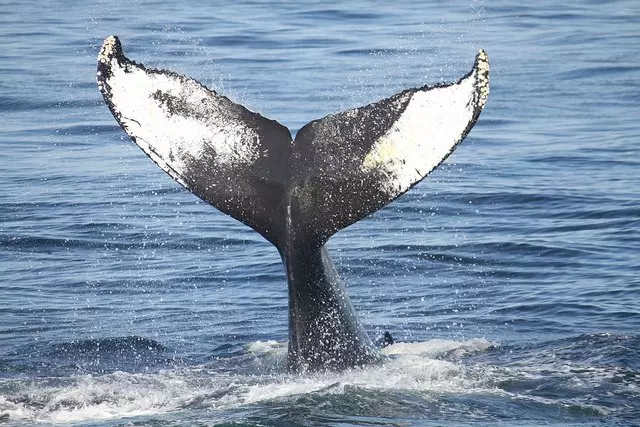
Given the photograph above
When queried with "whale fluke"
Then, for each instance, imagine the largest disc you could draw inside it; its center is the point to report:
(295, 192)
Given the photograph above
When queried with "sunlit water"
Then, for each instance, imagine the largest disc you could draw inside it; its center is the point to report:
(509, 277)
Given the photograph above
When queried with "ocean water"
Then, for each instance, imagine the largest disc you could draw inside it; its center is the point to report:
(509, 277)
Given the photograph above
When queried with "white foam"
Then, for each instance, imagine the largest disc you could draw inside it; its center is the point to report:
(428, 369)
(266, 347)
(437, 347)
(412, 368)
(117, 395)
(104, 397)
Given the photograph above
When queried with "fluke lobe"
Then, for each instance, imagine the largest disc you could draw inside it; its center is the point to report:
(295, 192)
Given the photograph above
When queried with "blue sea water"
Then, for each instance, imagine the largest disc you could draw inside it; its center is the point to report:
(509, 277)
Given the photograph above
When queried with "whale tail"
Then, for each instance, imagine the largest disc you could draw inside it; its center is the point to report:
(294, 192)
(338, 169)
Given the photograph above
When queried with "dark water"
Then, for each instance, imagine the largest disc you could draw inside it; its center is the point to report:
(510, 276)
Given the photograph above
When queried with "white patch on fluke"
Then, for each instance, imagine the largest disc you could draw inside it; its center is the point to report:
(173, 138)
(432, 124)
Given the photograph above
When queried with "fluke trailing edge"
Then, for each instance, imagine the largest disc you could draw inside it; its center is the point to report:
(295, 192)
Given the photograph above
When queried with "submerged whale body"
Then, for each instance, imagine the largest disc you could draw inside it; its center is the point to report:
(295, 192)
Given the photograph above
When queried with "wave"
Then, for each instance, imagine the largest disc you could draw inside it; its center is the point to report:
(104, 346)
(443, 378)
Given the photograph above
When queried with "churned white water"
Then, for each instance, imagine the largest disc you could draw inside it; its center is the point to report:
(415, 367)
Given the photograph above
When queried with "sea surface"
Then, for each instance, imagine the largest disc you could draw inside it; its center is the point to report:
(510, 277)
